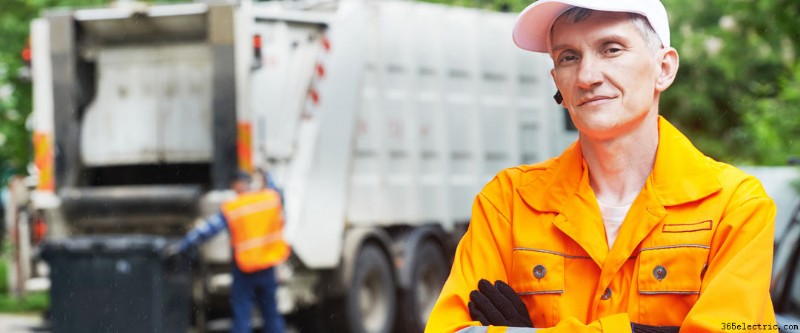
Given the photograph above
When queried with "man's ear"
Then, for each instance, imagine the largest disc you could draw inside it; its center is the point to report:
(559, 99)
(668, 68)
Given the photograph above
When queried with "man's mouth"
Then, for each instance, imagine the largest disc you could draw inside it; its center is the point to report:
(591, 100)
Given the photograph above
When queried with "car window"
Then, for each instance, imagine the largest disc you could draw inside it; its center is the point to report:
(786, 248)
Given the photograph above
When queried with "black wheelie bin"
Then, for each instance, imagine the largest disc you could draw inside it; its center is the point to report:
(117, 284)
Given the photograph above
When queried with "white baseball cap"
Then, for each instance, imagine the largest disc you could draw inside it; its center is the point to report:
(532, 29)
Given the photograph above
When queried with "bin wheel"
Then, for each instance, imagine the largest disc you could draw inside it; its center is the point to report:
(371, 301)
(427, 279)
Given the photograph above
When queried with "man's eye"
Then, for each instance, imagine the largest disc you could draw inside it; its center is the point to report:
(613, 50)
(568, 58)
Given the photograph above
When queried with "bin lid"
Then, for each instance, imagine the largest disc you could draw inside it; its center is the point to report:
(105, 244)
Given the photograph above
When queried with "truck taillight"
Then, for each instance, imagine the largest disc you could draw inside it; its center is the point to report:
(26, 53)
(257, 46)
(39, 230)
(256, 52)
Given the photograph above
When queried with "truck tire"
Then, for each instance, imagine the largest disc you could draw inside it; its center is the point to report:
(371, 301)
(427, 279)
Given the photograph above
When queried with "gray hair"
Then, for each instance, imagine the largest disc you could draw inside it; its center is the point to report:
(651, 39)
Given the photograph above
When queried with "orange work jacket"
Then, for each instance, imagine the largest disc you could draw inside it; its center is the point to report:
(255, 222)
(694, 251)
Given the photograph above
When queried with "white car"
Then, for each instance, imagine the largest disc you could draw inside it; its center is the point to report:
(785, 286)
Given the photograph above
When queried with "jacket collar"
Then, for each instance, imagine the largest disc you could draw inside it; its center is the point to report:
(681, 174)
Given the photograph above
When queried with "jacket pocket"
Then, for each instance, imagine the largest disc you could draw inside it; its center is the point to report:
(672, 269)
(670, 278)
(537, 276)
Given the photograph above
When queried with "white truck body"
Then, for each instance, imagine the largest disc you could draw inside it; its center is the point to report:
(420, 105)
(381, 120)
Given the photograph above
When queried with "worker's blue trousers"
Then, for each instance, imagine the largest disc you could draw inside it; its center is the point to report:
(255, 288)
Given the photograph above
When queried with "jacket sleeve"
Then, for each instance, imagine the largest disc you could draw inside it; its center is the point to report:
(209, 228)
(483, 253)
(617, 323)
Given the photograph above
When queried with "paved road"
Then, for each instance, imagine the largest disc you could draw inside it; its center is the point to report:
(21, 323)
(33, 323)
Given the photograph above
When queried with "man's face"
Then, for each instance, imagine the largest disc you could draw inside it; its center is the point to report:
(240, 186)
(605, 73)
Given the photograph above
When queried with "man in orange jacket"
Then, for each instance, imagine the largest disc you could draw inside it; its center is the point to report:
(255, 222)
(631, 228)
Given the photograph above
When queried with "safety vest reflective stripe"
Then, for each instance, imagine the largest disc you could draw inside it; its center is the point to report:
(253, 208)
(256, 242)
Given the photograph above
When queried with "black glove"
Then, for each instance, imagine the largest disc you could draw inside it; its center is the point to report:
(498, 305)
(639, 328)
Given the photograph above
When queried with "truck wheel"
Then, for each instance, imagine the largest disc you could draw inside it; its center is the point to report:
(371, 301)
(427, 279)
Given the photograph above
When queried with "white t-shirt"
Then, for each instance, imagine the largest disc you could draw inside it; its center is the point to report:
(612, 220)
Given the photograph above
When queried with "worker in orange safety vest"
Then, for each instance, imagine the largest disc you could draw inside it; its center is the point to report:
(255, 221)
(631, 229)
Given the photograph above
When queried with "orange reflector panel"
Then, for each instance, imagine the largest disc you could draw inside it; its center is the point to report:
(43, 159)
(244, 146)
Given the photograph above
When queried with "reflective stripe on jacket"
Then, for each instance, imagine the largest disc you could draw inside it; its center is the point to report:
(695, 249)
(255, 222)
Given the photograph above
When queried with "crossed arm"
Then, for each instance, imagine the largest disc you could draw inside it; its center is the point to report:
(499, 305)
(739, 264)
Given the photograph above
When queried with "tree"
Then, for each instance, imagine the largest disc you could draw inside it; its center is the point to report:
(737, 93)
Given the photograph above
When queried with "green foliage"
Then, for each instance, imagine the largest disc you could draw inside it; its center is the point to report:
(33, 302)
(738, 88)
(3, 276)
(15, 93)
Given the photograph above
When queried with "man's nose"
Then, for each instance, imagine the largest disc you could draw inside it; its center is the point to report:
(589, 73)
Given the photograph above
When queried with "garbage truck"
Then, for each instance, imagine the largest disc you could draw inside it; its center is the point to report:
(379, 120)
